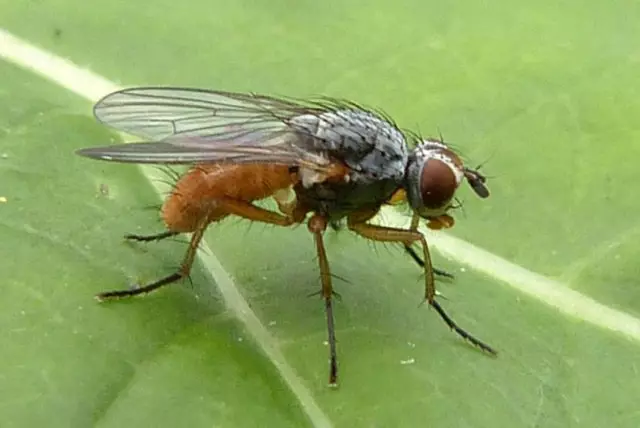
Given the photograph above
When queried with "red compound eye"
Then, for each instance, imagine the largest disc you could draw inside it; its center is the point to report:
(438, 184)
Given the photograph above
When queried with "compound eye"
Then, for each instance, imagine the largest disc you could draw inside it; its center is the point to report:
(438, 184)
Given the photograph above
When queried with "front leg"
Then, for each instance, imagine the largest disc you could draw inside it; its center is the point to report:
(415, 222)
(400, 197)
(357, 222)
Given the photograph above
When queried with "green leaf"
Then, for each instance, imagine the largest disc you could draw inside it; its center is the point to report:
(547, 93)
(69, 356)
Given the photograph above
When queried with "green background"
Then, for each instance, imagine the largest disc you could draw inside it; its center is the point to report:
(547, 92)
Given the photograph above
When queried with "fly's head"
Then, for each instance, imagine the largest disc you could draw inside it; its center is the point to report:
(434, 173)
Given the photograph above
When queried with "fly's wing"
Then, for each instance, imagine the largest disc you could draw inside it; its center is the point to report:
(188, 125)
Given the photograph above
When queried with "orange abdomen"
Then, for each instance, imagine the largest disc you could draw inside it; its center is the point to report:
(194, 196)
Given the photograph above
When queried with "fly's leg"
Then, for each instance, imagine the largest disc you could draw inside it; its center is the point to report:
(148, 238)
(230, 206)
(317, 225)
(415, 221)
(358, 223)
(185, 268)
(249, 211)
(416, 258)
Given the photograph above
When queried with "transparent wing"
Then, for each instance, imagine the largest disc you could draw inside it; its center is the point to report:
(167, 153)
(189, 125)
(157, 113)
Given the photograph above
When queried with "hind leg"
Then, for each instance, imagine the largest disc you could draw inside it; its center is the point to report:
(147, 238)
(229, 206)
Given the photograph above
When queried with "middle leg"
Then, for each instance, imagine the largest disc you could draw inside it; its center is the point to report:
(317, 225)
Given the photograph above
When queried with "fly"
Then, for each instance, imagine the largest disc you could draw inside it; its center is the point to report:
(321, 161)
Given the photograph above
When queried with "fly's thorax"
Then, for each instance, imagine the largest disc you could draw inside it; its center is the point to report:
(370, 146)
(369, 153)
(434, 173)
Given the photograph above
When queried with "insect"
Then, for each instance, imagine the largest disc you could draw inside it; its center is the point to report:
(321, 161)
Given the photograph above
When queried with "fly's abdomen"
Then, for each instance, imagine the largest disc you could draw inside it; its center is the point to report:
(197, 195)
